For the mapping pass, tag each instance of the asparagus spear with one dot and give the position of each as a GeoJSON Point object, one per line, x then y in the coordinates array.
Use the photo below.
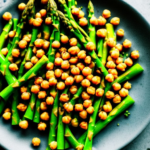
{"type": "Point", "coordinates": [36, 118]}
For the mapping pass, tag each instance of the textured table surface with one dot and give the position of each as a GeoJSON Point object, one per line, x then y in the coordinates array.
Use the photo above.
{"type": "Point", "coordinates": [142, 142]}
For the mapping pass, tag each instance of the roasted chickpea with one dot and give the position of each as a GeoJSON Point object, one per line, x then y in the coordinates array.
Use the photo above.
{"type": "Point", "coordinates": [58, 73]}
{"type": "Point", "coordinates": [73, 42]}
{"type": "Point", "coordinates": [94, 21]}
{"type": "Point", "coordinates": [75, 11]}
{"type": "Point", "coordinates": [21, 6]}
{"type": "Point", "coordinates": [31, 21]}
{"type": "Point", "coordinates": [89, 77]}
{"type": "Point", "coordinates": [119, 60]}
{"type": "Point", "coordinates": [44, 116]}
{"type": "Point", "coordinates": [122, 66]}
{"type": "Point", "coordinates": [83, 22]}
{"type": "Point", "coordinates": [87, 71]}
{"type": "Point", "coordinates": [23, 124]}
{"type": "Point", "coordinates": [127, 85]}
{"type": "Point", "coordinates": [87, 103]}
{"type": "Point", "coordinates": [49, 100]}
{"type": "Point", "coordinates": [65, 65]}
{"type": "Point", "coordinates": [38, 15]}
{"type": "Point", "coordinates": [35, 89]}
{"type": "Point", "coordinates": [42, 126]}
{"type": "Point", "coordinates": [25, 96]}
{"type": "Point", "coordinates": [99, 92]}
{"type": "Point", "coordinates": [128, 61]}
{"type": "Point", "coordinates": [62, 50]}
{"type": "Point", "coordinates": [90, 46]}
{"type": "Point", "coordinates": [50, 66]}
{"type": "Point", "coordinates": [85, 83]}
{"type": "Point", "coordinates": [43, 12]}
{"type": "Point", "coordinates": [74, 50]}
{"type": "Point", "coordinates": [66, 119]}
{"type": "Point", "coordinates": [110, 95]}
{"type": "Point", "coordinates": [116, 86]}
{"type": "Point", "coordinates": [92, 65]}
{"type": "Point", "coordinates": [115, 21]}
{"type": "Point", "coordinates": [38, 43]}
{"type": "Point", "coordinates": [28, 65]}
{"type": "Point", "coordinates": [102, 115]}
{"type": "Point", "coordinates": [65, 55]}
{"type": "Point", "coordinates": [64, 39]}
{"type": "Point", "coordinates": [88, 60]}
{"type": "Point", "coordinates": [12, 34]}
{"type": "Point", "coordinates": [64, 76]}
{"type": "Point", "coordinates": [75, 71]}
{"type": "Point", "coordinates": [73, 89]}
{"type": "Point", "coordinates": [78, 107]}
{"type": "Point", "coordinates": [45, 84]}
{"type": "Point", "coordinates": [42, 94]}
{"type": "Point", "coordinates": [23, 89]}
{"type": "Point", "coordinates": [69, 81]}
{"type": "Point", "coordinates": [80, 66]}
{"type": "Point", "coordinates": [111, 42]}
{"type": "Point", "coordinates": [40, 53]}
{"type": "Point", "coordinates": [110, 65]}
{"type": "Point", "coordinates": [113, 72]}
{"type": "Point", "coordinates": [135, 54]}
{"type": "Point", "coordinates": [78, 78]}
{"type": "Point", "coordinates": [127, 43]}
{"type": "Point", "coordinates": [90, 110]}
{"type": "Point", "coordinates": [115, 53]}
{"type": "Point", "coordinates": [73, 60]}
{"type": "Point", "coordinates": [36, 141]}
{"type": "Point", "coordinates": [44, 2]}
{"type": "Point", "coordinates": [83, 114]}
{"type": "Point", "coordinates": [38, 81]}
{"type": "Point", "coordinates": [58, 62]}
{"type": "Point", "coordinates": [83, 125]}
{"type": "Point", "coordinates": [64, 98]}
{"type": "Point", "coordinates": [68, 107]}
{"type": "Point", "coordinates": [85, 96]}
{"type": "Point", "coordinates": [7, 115]}
{"type": "Point", "coordinates": [57, 55]}
{"type": "Point", "coordinates": [117, 99]}
{"type": "Point", "coordinates": [34, 60]}
{"type": "Point", "coordinates": [119, 47]}
{"type": "Point", "coordinates": [37, 22]}
{"type": "Point", "coordinates": [22, 44]}
{"type": "Point", "coordinates": [107, 107]}
{"type": "Point", "coordinates": [7, 16]}
{"type": "Point", "coordinates": [22, 107]}
{"type": "Point", "coordinates": [43, 106]}
{"type": "Point", "coordinates": [48, 21]}
{"type": "Point", "coordinates": [4, 51]}
{"type": "Point", "coordinates": [74, 122]}
{"type": "Point", "coordinates": [56, 44]}
{"type": "Point", "coordinates": [81, 14]}
{"type": "Point", "coordinates": [101, 21]}
{"type": "Point", "coordinates": [53, 145]}
{"type": "Point", "coordinates": [123, 92]}
{"type": "Point", "coordinates": [120, 32]}
{"type": "Point", "coordinates": [106, 13]}
{"type": "Point", "coordinates": [96, 80]}
{"type": "Point", "coordinates": [102, 33]}
{"type": "Point", "coordinates": [52, 81]}
{"type": "Point", "coordinates": [60, 85]}
{"type": "Point", "coordinates": [82, 54]}
{"type": "Point", "coordinates": [91, 90]}
{"type": "Point", "coordinates": [46, 45]}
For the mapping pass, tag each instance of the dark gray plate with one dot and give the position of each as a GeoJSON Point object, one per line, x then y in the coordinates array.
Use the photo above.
{"type": "Point", "coordinates": [113, 137]}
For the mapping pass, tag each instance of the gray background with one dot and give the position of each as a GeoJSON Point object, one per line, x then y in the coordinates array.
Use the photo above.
{"type": "Point", "coordinates": [142, 142]}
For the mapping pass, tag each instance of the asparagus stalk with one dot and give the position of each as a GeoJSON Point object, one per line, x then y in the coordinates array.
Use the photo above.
{"type": "Point", "coordinates": [36, 118]}
{"type": "Point", "coordinates": [31, 73]}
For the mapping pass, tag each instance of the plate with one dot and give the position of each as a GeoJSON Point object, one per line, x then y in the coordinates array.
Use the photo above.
{"type": "Point", "coordinates": [113, 137]}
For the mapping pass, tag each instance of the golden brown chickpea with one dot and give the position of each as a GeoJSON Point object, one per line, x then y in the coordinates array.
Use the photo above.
{"type": "Point", "coordinates": [39, 43]}
{"type": "Point", "coordinates": [42, 126]}
{"type": "Point", "coordinates": [110, 95]}
{"type": "Point", "coordinates": [13, 67]}
{"type": "Point", "coordinates": [58, 61]}
{"type": "Point", "coordinates": [88, 60]}
{"type": "Point", "coordinates": [64, 39]}
{"type": "Point", "coordinates": [73, 89]}
{"type": "Point", "coordinates": [80, 66]}
{"type": "Point", "coordinates": [81, 14]}
{"type": "Point", "coordinates": [43, 12]}
{"type": "Point", "coordinates": [107, 107]}
{"type": "Point", "coordinates": [44, 2]}
{"type": "Point", "coordinates": [22, 44]}
{"type": "Point", "coordinates": [83, 125]}
{"type": "Point", "coordinates": [128, 61]}
{"type": "Point", "coordinates": [48, 21]}
{"type": "Point", "coordinates": [36, 141]}
{"type": "Point", "coordinates": [25, 96]}
{"type": "Point", "coordinates": [135, 54]}
{"type": "Point", "coordinates": [83, 22]}
{"type": "Point", "coordinates": [35, 89]}
{"type": "Point", "coordinates": [102, 33]}
{"type": "Point", "coordinates": [85, 96]}
{"type": "Point", "coordinates": [53, 145]}
{"type": "Point", "coordinates": [46, 45]}
{"type": "Point", "coordinates": [119, 60]}
{"type": "Point", "coordinates": [116, 86]}
{"type": "Point", "coordinates": [83, 114]}
{"type": "Point", "coordinates": [101, 21]}
{"type": "Point", "coordinates": [78, 107]}
{"type": "Point", "coordinates": [106, 13]}
{"type": "Point", "coordinates": [7, 110]}
{"type": "Point", "coordinates": [94, 21]}
{"type": "Point", "coordinates": [45, 84]}
{"type": "Point", "coordinates": [73, 42]}
{"type": "Point", "coordinates": [127, 85]}
{"type": "Point", "coordinates": [115, 53]}
{"type": "Point", "coordinates": [85, 83]}
{"type": "Point", "coordinates": [28, 65]}
{"type": "Point", "coordinates": [90, 46]}
{"type": "Point", "coordinates": [38, 81]}
{"type": "Point", "coordinates": [115, 21]}
{"type": "Point", "coordinates": [68, 107]}
{"type": "Point", "coordinates": [102, 115]}
{"type": "Point", "coordinates": [120, 32]}
{"type": "Point", "coordinates": [92, 65]}
{"type": "Point", "coordinates": [74, 122]}
{"type": "Point", "coordinates": [87, 71]}
{"type": "Point", "coordinates": [50, 66]}
{"type": "Point", "coordinates": [119, 47]}
{"type": "Point", "coordinates": [7, 16]}
{"type": "Point", "coordinates": [65, 65]}
{"type": "Point", "coordinates": [73, 60]}
{"type": "Point", "coordinates": [58, 73]}
{"type": "Point", "coordinates": [38, 15]}
{"type": "Point", "coordinates": [40, 53]}
{"type": "Point", "coordinates": [90, 110]}
{"type": "Point", "coordinates": [75, 71]}
{"type": "Point", "coordinates": [21, 107]}
{"type": "Point", "coordinates": [99, 92]}
{"type": "Point", "coordinates": [44, 116]}
{"type": "Point", "coordinates": [7, 115]}
{"type": "Point", "coordinates": [34, 60]}
{"type": "Point", "coordinates": [69, 80]}
{"type": "Point", "coordinates": [43, 106]}
{"type": "Point", "coordinates": [64, 98]}
{"type": "Point", "coordinates": [64, 76]}
{"type": "Point", "coordinates": [113, 72]}
{"type": "Point", "coordinates": [63, 50]}
{"type": "Point", "coordinates": [82, 54]}
{"type": "Point", "coordinates": [111, 42]}
{"type": "Point", "coordinates": [52, 81]}
{"type": "Point", "coordinates": [23, 89]}
{"type": "Point", "coordinates": [65, 55]}
{"type": "Point", "coordinates": [66, 119]}
{"type": "Point", "coordinates": [12, 34]}
{"type": "Point", "coordinates": [75, 11]}
{"type": "Point", "coordinates": [89, 77]}
{"type": "Point", "coordinates": [56, 44]}
{"type": "Point", "coordinates": [127, 43]}
{"type": "Point", "coordinates": [16, 53]}
{"type": "Point", "coordinates": [117, 99]}
{"type": "Point", "coordinates": [57, 55]}
{"type": "Point", "coordinates": [37, 22]}
{"type": "Point", "coordinates": [21, 6]}
{"type": "Point", "coordinates": [87, 103]}
{"type": "Point", "coordinates": [123, 92]}
{"type": "Point", "coordinates": [49, 100]}
{"type": "Point", "coordinates": [23, 124]}
{"type": "Point", "coordinates": [74, 50]}
{"type": "Point", "coordinates": [110, 65]}
{"type": "Point", "coordinates": [78, 78]}
{"type": "Point", "coordinates": [31, 21]}
{"type": "Point", "coordinates": [96, 80]}
{"type": "Point", "coordinates": [91, 90]}
{"type": "Point", "coordinates": [60, 85]}
{"type": "Point", "coordinates": [122, 66]}
{"type": "Point", "coordinates": [4, 51]}
{"type": "Point", "coordinates": [42, 94]}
